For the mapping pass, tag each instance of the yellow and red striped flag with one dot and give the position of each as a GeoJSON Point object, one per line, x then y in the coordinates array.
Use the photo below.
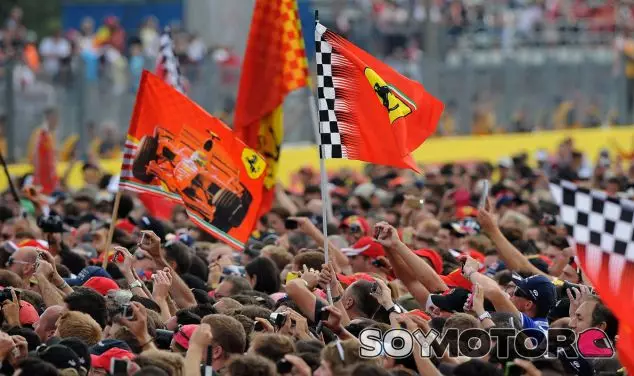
{"type": "Point", "coordinates": [274, 65]}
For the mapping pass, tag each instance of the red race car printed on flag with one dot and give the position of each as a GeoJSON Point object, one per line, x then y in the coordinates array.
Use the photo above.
{"type": "Point", "coordinates": [176, 150]}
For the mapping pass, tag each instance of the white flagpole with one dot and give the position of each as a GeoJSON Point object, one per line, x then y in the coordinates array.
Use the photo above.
{"type": "Point", "coordinates": [325, 194]}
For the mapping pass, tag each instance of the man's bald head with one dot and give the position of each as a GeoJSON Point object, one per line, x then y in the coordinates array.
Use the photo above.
{"type": "Point", "coordinates": [23, 261]}
{"type": "Point", "coordinates": [47, 324]}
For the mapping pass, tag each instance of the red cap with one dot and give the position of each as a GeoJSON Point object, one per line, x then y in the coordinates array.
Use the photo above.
{"type": "Point", "coordinates": [463, 212]}
{"type": "Point", "coordinates": [419, 313]}
{"type": "Point", "coordinates": [126, 225]}
{"type": "Point", "coordinates": [455, 279]}
{"type": "Point", "coordinates": [103, 361]}
{"type": "Point", "coordinates": [432, 256]}
{"type": "Point", "coordinates": [366, 246]}
{"type": "Point", "coordinates": [476, 255]}
{"type": "Point", "coordinates": [357, 220]}
{"type": "Point", "coordinates": [350, 279]}
{"type": "Point", "coordinates": [101, 284]}
{"type": "Point", "coordinates": [184, 334]}
{"type": "Point", "coordinates": [28, 313]}
{"type": "Point", "coordinates": [41, 244]}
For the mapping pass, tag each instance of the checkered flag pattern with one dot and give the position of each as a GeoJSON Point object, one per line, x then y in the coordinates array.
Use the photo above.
{"type": "Point", "coordinates": [593, 219]}
{"type": "Point", "coordinates": [167, 66]}
{"type": "Point", "coordinates": [330, 136]}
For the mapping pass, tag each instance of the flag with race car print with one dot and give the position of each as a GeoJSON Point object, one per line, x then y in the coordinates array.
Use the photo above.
{"type": "Point", "coordinates": [176, 150]}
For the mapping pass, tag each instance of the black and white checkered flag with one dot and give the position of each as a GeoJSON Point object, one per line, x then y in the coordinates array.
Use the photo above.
{"type": "Point", "coordinates": [330, 143]}
{"type": "Point", "coordinates": [167, 65]}
{"type": "Point", "coordinates": [601, 229]}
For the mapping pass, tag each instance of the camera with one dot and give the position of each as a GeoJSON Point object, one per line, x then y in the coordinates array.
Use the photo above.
{"type": "Point", "coordinates": [125, 310]}
{"type": "Point", "coordinates": [52, 224]}
{"type": "Point", "coordinates": [5, 294]}
{"type": "Point", "coordinates": [163, 338]}
{"type": "Point", "coordinates": [283, 366]}
{"type": "Point", "coordinates": [277, 319]}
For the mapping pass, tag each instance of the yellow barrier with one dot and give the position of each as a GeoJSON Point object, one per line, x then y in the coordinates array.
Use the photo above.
{"type": "Point", "coordinates": [436, 150]}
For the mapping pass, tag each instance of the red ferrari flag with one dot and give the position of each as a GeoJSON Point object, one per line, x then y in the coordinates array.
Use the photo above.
{"type": "Point", "coordinates": [274, 65]}
{"type": "Point", "coordinates": [178, 151]}
{"type": "Point", "coordinates": [368, 111]}
{"type": "Point", "coordinates": [44, 174]}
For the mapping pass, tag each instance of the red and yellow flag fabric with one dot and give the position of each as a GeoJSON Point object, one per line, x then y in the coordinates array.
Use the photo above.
{"type": "Point", "coordinates": [367, 110]}
{"type": "Point", "coordinates": [274, 65]}
{"type": "Point", "coordinates": [45, 174]}
{"type": "Point", "coordinates": [178, 151]}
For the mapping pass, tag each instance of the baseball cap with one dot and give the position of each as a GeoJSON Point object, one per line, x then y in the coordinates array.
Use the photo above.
{"type": "Point", "coordinates": [463, 212]}
{"type": "Point", "coordinates": [86, 273]}
{"type": "Point", "coordinates": [80, 348]}
{"type": "Point", "coordinates": [356, 221]}
{"type": "Point", "coordinates": [107, 344]}
{"type": "Point", "coordinates": [537, 288]}
{"type": "Point", "coordinates": [101, 284]}
{"type": "Point", "coordinates": [183, 334]}
{"type": "Point", "coordinates": [103, 361]}
{"type": "Point", "coordinates": [40, 244]}
{"type": "Point", "coordinates": [350, 279]}
{"type": "Point", "coordinates": [28, 313]}
{"type": "Point", "coordinates": [62, 357]}
{"type": "Point", "coordinates": [452, 300]}
{"type": "Point", "coordinates": [366, 246]}
{"type": "Point", "coordinates": [432, 256]}
{"type": "Point", "coordinates": [456, 279]}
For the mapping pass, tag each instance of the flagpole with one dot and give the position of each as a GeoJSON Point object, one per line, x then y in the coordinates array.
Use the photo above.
{"type": "Point", "coordinates": [325, 195]}
{"type": "Point", "coordinates": [113, 222]}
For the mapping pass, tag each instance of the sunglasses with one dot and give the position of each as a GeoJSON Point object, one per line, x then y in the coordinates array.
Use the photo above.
{"type": "Point", "coordinates": [424, 239]}
{"type": "Point", "coordinates": [522, 294]}
{"type": "Point", "coordinates": [12, 261]}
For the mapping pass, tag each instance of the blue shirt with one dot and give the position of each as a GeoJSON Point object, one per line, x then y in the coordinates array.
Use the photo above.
{"type": "Point", "coordinates": [537, 327]}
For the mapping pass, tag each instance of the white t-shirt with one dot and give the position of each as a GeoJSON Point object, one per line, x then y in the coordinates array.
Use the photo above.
{"type": "Point", "coordinates": [52, 51]}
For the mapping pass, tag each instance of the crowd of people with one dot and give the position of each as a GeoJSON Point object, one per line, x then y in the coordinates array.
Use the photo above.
{"type": "Point", "coordinates": [406, 251]}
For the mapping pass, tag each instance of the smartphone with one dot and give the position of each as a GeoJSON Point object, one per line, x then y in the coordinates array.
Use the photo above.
{"type": "Point", "coordinates": [469, 305]}
{"type": "Point", "coordinates": [513, 369]}
{"type": "Point", "coordinates": [324, 314]}
{"type": "Point", "coordinates": [291, 276]}
{"type": "Point", "coordinates": [375, 288]}
{"type": "Point", "coordinates": [484, 195]}
{"type": "Point", "coordinates": [377, 233]}
{"type": "Point", "coordinates": [283, 366]}
{"type": "Point", "coordinates": [291, 224]}
{"type": "Point", "coordinates": [414, 203]}
{"type": "Point", "coordinates": [118, 367]}
{"type": "Point", "coordinates": [127, 312]}
{"type": "Point", "coordinates": [37, 260]}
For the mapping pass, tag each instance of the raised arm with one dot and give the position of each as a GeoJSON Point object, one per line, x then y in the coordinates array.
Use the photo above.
{"type": "Point", "coordinates": [512, 257]}
{"type": "Point", "coordinates": [418, 268]}
{"type": "Point", "coordinates": [180, 291]}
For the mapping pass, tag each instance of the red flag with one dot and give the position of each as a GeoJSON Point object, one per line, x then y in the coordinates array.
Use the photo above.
{"type": "Point", "coordinates": [274, 65]}
{"type": "Point", "coordinates": [368, 111]}
{"type": "Point", "coordinates": [178, 151]}
{"type": "Point", "coordinates": [45, 174]}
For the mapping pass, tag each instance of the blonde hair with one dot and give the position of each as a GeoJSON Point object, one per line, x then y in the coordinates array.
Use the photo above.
{"type": "Point", "coordinates": [80, 325]}
{"type": "Point", "coordinates": [351, 356]}
{"type": "Point", "coordinates": [169, 362]}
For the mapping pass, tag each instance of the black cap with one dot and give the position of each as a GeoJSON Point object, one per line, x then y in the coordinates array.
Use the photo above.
{"type": "Point", "coordinates": [107, 344]}
{"type": "Point", "coordinates": [80, 348]}
{"type": "Point", "coordinates": [62, 357]}
{"type": "Point", "coordinates": [452, 300]}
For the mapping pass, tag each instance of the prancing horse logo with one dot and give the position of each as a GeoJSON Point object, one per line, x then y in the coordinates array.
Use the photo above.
{"type": "Point", "coordinates": [396, 104]}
